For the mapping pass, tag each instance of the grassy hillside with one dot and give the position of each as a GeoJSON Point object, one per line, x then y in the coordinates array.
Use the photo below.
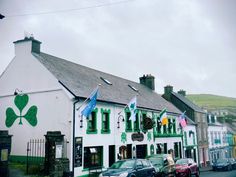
{"type": "Point", "coordinates": [213, 101]}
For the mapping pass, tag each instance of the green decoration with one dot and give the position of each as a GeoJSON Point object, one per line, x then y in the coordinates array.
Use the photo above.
{"type": "Point", "coordinates": [31, 115]}
{"type": "Point", "coordinates": [149, 136]}
{"type": "Point", "coordinates": [123, 137]}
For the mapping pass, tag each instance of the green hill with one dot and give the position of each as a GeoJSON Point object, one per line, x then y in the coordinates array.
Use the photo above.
{"type": "Point", "coordinates": [213, 101]}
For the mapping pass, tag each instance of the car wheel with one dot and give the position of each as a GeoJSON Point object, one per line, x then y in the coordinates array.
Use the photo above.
{"type": "Point", "coordinates": [197, 173]}
{"type": "Point", "coordinates": [189, 173]}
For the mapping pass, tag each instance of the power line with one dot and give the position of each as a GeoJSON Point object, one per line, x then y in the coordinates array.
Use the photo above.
{"type": "Point", "coordinates": [70, 10]}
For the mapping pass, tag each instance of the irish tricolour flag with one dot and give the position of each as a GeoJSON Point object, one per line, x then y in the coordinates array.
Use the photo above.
{"type": "Point", "coordinates": [163, 117]}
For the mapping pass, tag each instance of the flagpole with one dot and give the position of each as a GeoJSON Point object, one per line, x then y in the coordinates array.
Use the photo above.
{"type": "Point", "coordinates": [73, 128]}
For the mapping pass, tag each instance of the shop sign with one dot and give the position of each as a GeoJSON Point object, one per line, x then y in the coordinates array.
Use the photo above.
{"type": "Point", "coordinates": [137, 137]}
{"type": "Point", "coordinates": [78, 151]}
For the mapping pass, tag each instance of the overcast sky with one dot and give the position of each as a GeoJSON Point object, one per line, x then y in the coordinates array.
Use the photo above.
{"type": "Point", "coordinates": [189, 44]}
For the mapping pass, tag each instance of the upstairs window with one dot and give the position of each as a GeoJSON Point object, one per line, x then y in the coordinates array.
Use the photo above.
{"type": "Point", "coordinates": [136, 122]}
{"type": "Point", "coordinates": [92, 122]}
{"type": "Point", "coordinates": [105, 121]}
{"type": "Point", "coordinates": [128, 122]}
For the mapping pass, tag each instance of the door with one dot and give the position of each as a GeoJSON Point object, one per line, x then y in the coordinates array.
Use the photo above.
{"type": "Point", "coordinates": [141, 151]}
{"type": "Point", "coordinates": [111, 154]}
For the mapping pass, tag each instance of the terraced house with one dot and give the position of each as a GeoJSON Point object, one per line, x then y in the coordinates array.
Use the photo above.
{"type": "Point", "coordinates": [41, 93]}
{"type": "Point", "coordinates": [197, 115]}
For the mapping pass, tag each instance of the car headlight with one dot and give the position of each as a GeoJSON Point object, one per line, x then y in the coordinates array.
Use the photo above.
{"type": "Point", "coordinates": [123, 174]}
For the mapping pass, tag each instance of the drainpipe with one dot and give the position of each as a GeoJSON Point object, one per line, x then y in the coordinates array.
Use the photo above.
{"type": "Point", "coordinates": [73, 136]}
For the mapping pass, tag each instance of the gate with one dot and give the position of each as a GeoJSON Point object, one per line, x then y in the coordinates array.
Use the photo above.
{"type": "Point", "coordinates": [35, 153]}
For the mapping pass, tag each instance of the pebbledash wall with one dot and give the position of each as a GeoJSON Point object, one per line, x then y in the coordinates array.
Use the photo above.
{"type": "Point", "coordinates": [44, 104]}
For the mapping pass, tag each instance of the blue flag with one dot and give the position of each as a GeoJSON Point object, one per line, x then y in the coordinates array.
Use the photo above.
{"type": "Point", "coordinates": [91, 104]}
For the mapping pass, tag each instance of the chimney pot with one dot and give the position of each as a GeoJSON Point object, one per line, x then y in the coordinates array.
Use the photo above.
{"type": "Point", "coordinates": [148, 80]}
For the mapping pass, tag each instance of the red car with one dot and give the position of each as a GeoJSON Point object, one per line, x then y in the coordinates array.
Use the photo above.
{"type": "Point", "coordinates": [186, 168]}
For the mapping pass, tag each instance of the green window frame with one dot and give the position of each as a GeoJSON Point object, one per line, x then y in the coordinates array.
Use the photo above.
{"type": "Point", "coordinates": [136, 122]}
{"type": "Point", "coordinates": [144, 115]}
{"type": "Point", "coordinates": [128, 123]}
{"type": "Point", "coordinates": [169, 126]}
{"type": "Point", "coordinates": [174, 126]}
{"type": "Point", "coordinates": [152, 149]}
{"type": "Point", "coordinates": [164, 129]}
{"type": "Point", "coordinates": [105, 121]}
{"type": "Point", "coordinates": [185, 138]}
{"type": "Point", "coordinates": [92, 122]}
{"type": "Point", "coordinates": [194, 141]}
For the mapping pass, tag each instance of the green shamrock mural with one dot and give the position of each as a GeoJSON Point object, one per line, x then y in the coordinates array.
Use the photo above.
{"type": "Point", "coordinates": [123, 137]}
{"type": "Point", "coordinates": [31, 115]}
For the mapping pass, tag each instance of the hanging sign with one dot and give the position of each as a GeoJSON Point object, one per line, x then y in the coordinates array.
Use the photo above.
{"type": "Point", "coordinates": [137, 137]}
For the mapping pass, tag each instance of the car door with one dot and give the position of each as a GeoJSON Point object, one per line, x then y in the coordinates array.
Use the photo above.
{"type": "Point", "coordinates": [148, 168]}
{"type": "Point", "coordinates": [193, 166]}
{"type": "Point", "coordinates": [139, 170]}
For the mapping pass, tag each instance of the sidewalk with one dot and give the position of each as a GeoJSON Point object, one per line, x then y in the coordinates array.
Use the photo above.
{"type": "Point", "coordinates": [203, 169]}
{"type": "Point", "coordinates": [16, 173]}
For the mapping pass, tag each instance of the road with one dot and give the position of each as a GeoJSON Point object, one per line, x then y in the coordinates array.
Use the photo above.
{"type": "Point", "coordinates": [218, 174]}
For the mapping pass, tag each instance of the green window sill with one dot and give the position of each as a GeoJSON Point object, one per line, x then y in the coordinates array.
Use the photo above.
{"type": "Point", "coordinates": [105, 131]}
{"type": "Point", "coordinates": [91, 132]}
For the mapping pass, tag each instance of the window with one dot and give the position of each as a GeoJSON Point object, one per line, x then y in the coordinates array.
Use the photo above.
{"type": "Point", "coordinates": [128, 122]}
{"type": "Point", "coordinates": [176, 150]}
{"type": "Point", "coordinates": [158, 127]}
{"type": "Point", "coordinates": [93, 156]}
{"type": "Point", "coordinates": [106, 81]}
{"type": "Point", "coordinates": [105, 121]}
{"type": "Point", "coordinates": [133, 88]}
{"type": "Point", "coordinates": [136, 122]}
{"type": "Point", "coordinates": [164, 129]}
{"type": "Point", "coordinates": [92, 122]}
{"type": "Point", "coordinates": [174, 126]}
{"type": "Point", "coordinates": [144, 115]}
{"type": "Point", "coordinates": [169, 126]}
{"type": "Point", "coordinates": [185, 138]}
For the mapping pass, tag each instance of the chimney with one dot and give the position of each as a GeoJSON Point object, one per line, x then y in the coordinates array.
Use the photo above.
{"type": "Point", "coordinates": [27, 45]}
{"type": "Point", "coordinates": [148, 80]}
{"type": "Point", "coordinates": [182, 92]}
{"type": "Point", "coordinates": [167, 92]}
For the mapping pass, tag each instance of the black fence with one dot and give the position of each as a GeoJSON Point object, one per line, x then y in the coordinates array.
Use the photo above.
{"type": "Point", "coordinates": [35, 154]}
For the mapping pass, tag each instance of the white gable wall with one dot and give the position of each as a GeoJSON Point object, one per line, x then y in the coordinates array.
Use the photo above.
{"type": "Point", "coordinates": [54, 108]}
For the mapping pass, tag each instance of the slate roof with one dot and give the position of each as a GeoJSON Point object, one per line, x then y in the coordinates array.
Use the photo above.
{"type": "Point", "coordinates": [81, 81]}
{"type": "Point", "coordinates": [188, 102]}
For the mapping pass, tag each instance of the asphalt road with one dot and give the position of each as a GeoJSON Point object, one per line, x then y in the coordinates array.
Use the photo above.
{"type": "Point", "coordinates": [218, 174]}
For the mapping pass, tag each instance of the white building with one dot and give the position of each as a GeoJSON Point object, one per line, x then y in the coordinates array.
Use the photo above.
{"type": "Point", "coordinates": [217, 136]}
{"type": "Point", "coordinates": [50, 94]}
{"type": "Point", "coordinates": [190, 141]}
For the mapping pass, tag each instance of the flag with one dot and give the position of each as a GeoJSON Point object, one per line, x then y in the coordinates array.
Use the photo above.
{"type": "Point", "coordinates": [133, 107]}
{"type": "Point", "coordinates": [91, 104]}
{"type": "Point", "coordinates": [182, 120]}
{"type": "Point", "coordinates": [163, 117]}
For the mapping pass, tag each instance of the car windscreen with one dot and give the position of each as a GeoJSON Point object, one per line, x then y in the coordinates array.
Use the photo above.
{"type": "Point", "coordinates": [123, 164]}
{"type": "Point", "coordinates": [156, 161]}
{"type": "Point", "coordinates": [182, 161]}
{"type": "Point", "coordinates": [221, 161]}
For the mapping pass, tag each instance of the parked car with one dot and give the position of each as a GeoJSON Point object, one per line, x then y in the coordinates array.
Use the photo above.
{"type": "Point", "coordinates": [222, 164]}
{"type": "Point", "coordinates": [163, 164]}
{"type": "Point", "coordinates": [130, 168]}
{"type": "Point", "coordinates": [186, 167]}
{"type": "Point", "coordinates": [233, 163]}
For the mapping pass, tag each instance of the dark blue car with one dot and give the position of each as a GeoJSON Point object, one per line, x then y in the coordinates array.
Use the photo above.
{"type": "Point", "coordinates": [130, 168]}
{"type": "Point", "coordinates": [222, 164]}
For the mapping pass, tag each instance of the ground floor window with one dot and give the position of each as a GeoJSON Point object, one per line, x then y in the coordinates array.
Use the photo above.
{"type": "Point", "coordinates": [93, 156]}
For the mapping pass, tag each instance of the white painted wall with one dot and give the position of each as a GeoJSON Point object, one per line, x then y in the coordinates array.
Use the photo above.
{"type": "Point", "coordinates": [55, 110]}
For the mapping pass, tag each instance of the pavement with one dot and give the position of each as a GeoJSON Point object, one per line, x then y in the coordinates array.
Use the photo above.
{"type": "Point", "coordinates": [204, 169]}
{"type": "Point", "coordinates": [16, 173]}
